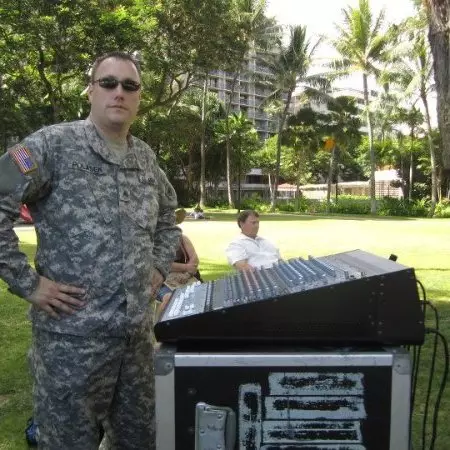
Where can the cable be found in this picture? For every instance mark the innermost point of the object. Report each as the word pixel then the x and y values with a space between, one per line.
pixel 442 386
pixel 423 290
pixel 430 378
pixel 416 363
pixel 416 354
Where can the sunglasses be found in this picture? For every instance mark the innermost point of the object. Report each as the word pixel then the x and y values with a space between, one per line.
pixel 112 82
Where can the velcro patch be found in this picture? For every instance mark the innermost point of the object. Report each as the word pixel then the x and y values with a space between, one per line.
pixel 23 158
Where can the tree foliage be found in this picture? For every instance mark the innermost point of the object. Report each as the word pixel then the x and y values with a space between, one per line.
pixel 290 67
pixel 363 44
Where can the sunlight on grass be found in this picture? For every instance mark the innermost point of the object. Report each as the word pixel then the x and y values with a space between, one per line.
pixel 26 235
pixel 419 243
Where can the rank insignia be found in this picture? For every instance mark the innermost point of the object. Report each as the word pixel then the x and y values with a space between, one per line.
pixel 23 158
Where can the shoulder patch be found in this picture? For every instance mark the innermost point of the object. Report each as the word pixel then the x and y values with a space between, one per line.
pixel 23 158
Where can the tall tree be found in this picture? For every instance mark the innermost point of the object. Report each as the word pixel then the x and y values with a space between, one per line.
pixel 413 118
pixel 261 33
pixel 265 158
pixel 438 12
pixel 56 47
pixel 413 70
pixel 46 49
pixel 290 67
pixel 178 54
pixel 343 127
pixel 239 132
pixel 362 45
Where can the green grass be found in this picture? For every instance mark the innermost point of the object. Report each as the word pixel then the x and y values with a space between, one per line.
pixel 419 243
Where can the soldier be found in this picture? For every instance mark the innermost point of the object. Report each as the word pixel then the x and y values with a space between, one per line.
pixel 104 214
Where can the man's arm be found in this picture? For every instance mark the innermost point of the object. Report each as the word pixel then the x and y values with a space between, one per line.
pixel 167 234
pixel 243 265
pixel 23 178
pixel 237 256
pixel 26 174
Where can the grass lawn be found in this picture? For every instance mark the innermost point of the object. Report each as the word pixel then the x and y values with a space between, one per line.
pixel 420 243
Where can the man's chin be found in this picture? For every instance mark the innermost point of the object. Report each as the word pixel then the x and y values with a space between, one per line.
pixel 118 121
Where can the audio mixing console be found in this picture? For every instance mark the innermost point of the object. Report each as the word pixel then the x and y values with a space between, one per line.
pixel 346 298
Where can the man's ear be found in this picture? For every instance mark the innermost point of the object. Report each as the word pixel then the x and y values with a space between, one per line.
pixel 89 91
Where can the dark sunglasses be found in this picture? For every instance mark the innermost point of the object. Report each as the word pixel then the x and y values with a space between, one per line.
pixel 112 83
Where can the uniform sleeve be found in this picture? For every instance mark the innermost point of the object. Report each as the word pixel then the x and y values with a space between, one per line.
pixel 24 179
pixel 236 252
pixel 167 234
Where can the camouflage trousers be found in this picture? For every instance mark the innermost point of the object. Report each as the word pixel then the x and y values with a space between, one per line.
pixel 83 385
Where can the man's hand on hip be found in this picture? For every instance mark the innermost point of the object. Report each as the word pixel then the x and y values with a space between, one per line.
pixel 55 298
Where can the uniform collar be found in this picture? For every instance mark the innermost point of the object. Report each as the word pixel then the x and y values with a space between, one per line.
pixel 98 144
pixel 244 236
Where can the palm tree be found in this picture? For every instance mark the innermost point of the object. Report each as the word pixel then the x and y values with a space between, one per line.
pixel 290 67
pixel 261 33
pixel 362 47
pixel 414 71
pixel 343 126
pixel 239 131
pixel 204 108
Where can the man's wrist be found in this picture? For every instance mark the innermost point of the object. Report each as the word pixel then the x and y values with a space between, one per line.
pixel 26 285
pixel 161 271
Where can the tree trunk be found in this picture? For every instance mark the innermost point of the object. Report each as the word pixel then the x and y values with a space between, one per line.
pixel 239 182
pixel 373 202
pixel 432 156
pixel 203 146
pixel 439 38
pixel 411 165
pixel 228 142
pixel 330 178
pixel 55 110
pixel 270 185
pixel 283 117
pixel 190 172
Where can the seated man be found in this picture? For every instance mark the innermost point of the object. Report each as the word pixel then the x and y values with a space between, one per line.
pixel 197 213
pixel 249 251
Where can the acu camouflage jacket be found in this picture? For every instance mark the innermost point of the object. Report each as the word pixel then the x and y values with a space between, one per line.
pixel 102 223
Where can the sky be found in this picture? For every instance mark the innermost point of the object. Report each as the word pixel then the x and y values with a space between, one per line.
pixel 320 18
pixel 320 15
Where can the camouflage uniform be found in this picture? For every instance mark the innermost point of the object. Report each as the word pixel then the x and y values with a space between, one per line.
pixel 103 224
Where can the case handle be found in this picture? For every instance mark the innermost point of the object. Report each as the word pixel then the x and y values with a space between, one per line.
pixel 215 427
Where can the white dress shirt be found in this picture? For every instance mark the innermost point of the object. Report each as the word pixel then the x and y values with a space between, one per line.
pixel 258 252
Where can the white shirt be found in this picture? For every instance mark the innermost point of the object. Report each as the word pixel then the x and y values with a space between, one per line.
pixel 258 252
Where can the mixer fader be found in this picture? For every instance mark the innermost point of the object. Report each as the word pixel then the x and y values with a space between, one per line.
pixel 343 298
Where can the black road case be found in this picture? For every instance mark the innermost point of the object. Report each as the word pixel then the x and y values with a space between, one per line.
pixel 283 399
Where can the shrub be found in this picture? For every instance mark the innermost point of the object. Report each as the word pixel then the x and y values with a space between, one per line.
pixel 443 209
pixel 350 204
pixel 287 205
pixel 218 202
pixel 388 206
pixel 420 208
pixel 256 203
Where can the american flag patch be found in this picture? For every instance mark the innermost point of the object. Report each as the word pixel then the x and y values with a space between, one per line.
pixel 23 158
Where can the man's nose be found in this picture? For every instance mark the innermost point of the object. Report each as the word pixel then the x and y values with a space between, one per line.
pixel 119 91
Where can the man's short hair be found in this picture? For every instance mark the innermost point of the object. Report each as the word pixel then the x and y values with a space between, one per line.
pixel 118 55
pixel 244 215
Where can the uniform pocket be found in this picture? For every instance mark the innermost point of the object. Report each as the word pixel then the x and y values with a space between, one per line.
pixel 141 203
